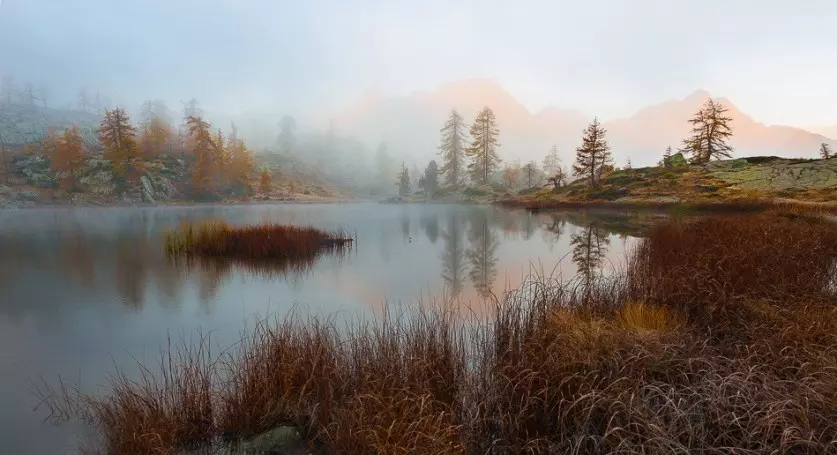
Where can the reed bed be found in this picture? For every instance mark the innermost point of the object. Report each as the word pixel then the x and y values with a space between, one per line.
pixel 718 336
pixel 218 239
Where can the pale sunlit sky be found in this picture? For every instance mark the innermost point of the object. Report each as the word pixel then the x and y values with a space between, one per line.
pixel 775 59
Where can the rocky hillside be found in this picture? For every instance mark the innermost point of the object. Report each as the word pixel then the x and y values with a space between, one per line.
pixel 757 177
pixel 159 181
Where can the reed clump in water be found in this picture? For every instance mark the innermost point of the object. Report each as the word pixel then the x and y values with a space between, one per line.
pixel 719 336
pixel 219 239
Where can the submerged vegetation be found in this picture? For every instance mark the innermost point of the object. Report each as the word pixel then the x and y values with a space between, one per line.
pixel 692 346
pixel 217 239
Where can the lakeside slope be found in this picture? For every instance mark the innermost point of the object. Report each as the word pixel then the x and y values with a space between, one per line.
pixel 743 181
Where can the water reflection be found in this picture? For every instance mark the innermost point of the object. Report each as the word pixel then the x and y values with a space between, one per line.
pixel 482 254
pixel 80 288
pixel 589 249
pixel 454 267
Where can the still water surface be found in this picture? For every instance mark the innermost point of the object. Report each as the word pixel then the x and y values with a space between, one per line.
pixel 83 291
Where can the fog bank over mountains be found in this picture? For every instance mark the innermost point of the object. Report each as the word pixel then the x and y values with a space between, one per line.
pixel 410 124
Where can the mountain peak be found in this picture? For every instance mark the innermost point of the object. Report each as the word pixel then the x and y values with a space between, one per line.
pixel 698 95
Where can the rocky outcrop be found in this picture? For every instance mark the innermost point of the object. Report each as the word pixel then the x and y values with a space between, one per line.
pixel 281 440
pixel 157 188
pixel 14 198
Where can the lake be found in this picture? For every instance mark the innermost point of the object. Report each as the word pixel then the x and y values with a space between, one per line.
pixel 86 290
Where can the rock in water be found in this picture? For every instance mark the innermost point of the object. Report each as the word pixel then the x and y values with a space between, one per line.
pixel 282 440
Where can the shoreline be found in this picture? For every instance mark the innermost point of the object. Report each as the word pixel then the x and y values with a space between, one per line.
pixel 53 206
pixel 728 206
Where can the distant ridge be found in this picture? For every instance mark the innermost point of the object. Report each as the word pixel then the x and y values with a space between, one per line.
pixel 410 124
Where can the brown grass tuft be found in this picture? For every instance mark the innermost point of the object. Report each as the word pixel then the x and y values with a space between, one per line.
pixel 217 239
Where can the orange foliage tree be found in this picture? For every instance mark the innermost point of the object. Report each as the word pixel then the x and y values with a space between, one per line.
pixel 241 165
pixel 203 149
pixel 264 182
pixel 118 137
pixel 69 153
pixel 156 131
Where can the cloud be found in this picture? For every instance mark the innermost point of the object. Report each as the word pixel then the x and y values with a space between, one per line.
pixel 603 57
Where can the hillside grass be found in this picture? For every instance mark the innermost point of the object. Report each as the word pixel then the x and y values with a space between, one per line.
pixel 744 182
pixel 718 335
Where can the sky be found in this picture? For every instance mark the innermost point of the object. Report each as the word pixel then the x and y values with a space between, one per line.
pixel 775 59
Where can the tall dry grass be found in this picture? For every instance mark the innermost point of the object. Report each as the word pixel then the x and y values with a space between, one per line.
pixel 720 336
pixel 218 239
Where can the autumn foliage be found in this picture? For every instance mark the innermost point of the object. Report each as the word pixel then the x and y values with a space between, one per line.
pixel 118 137
pixel 67 157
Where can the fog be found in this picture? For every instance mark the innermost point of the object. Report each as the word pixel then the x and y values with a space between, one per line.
pixel 347 63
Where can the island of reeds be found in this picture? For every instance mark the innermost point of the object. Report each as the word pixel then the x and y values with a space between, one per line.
pixel 718 335
pixel 218 239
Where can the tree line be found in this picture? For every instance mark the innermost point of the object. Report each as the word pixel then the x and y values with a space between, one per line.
pixel 218 163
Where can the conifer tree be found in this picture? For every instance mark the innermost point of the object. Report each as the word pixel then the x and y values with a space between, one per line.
pixel 69 153
pixel 710 132
pixel 666 161
pixel 202 148
pixel 287 135
pixel 241 165
pixel 593 157
pixel 403 181
pixel 628 164
pixel 384 166
pixel 155 129
pixel 530 171
pixel 118 137
pixel 552 162
pixel 452 149
pixel 430 180
pixel 265 182
pixel 483 148
pixel 825 151
pixel 559 178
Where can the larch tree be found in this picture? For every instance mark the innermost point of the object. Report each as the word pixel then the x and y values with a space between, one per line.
pixel 8 90
pixel 384 165
pixel 559 178
pixel 666 161
pixel 593 157
pixel 430 180
pixel 710 132
pixel 825 151
pixel 552 162
pixel 220 159
pixel 530 172
pixel 483 148
pixel 452 149
pixel 628 164
pixel 69 153
pixel 265 183
pixel 241 164
pixel 403 181
pixel 287 134
pixel 118 137
pixel 155 129
pixel 202 148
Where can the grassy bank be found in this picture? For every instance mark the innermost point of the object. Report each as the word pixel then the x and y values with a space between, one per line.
pixel 718 335
pixel 728 185
pixel 217 239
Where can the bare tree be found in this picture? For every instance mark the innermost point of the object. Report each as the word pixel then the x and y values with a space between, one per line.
pixel 825 151
pixel 8 90
pixel 28 96
pixel 43 95
pixel 710 131
pixel 83 100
